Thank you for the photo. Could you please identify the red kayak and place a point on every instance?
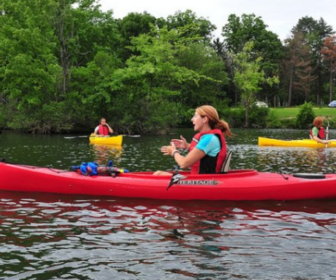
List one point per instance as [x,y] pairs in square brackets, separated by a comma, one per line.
[234,185]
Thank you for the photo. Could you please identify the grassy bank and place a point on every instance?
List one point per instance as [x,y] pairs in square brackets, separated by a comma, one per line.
[287,116]
[285,113]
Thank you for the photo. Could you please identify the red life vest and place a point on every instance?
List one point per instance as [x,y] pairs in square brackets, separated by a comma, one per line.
[103,130]
[196,168]
[321,133]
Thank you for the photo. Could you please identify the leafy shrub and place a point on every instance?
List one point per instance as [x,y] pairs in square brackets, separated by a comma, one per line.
[145,116]
[235,117]
[305,116]
[2,117]
[272,120]
[53,117]
[258,116]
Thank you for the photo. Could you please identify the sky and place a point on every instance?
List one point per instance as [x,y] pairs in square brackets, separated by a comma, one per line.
[279,15]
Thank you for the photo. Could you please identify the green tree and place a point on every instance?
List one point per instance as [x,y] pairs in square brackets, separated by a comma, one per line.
[204,60]
[91,87]
[36,75]
[248,76]
[132,25]
[81,31]
[219,47]
[201,27]
[29,67]
[157,79]
[238,31]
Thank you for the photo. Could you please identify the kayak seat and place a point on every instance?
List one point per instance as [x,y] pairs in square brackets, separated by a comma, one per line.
[226,164]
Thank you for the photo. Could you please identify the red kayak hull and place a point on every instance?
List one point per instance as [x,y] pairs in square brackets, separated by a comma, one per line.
[234,185]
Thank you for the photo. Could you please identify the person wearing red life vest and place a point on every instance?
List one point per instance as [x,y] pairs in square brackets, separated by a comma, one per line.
[103,129]
[317,131]
[207,150]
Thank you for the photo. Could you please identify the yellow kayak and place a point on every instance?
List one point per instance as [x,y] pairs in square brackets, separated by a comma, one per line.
[262,141]
[106,140]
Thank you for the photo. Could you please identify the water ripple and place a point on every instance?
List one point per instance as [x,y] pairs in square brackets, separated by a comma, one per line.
[59,237]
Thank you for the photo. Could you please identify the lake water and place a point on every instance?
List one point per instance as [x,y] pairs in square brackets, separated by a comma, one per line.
[48,236]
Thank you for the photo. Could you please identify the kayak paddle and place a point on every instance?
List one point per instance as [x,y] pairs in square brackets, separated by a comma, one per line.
[72,137]
[327,132]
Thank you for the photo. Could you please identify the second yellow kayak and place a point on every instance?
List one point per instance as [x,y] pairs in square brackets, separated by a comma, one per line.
[106,140]
[262,141]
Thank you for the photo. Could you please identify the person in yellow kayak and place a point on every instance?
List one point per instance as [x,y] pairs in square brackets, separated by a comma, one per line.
[103,129]
[317,131]
[207,150]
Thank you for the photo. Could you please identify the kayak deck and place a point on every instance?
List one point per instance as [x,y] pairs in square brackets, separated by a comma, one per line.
[106,140]
[309,143]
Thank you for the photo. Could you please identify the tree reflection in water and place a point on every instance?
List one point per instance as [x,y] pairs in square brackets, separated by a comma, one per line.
[292,160]
[104,153]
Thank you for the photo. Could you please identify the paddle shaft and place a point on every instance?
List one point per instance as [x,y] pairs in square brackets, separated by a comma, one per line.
[327,136]
[72,137]
[84,136]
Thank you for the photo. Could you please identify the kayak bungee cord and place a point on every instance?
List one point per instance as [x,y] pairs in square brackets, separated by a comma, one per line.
[283,175]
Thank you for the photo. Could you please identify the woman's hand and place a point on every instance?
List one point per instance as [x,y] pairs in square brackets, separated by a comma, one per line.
[180,143]
[168,150]
[109,128]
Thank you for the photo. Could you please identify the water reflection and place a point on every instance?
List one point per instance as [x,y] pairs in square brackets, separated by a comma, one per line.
[59,237]
[45,236]
[292,160]
[104,153]
[143,153]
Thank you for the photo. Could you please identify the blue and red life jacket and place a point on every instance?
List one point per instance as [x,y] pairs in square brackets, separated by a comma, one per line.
[208,164]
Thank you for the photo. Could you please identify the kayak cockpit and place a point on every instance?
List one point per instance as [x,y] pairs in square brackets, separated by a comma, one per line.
[231,173]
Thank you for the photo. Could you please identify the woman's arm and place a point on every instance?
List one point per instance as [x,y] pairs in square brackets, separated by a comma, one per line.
[320,140]
[183,161]
[109,128]
[96,131]
[194,156]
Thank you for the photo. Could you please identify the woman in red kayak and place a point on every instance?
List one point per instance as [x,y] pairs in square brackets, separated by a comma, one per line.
[207,150]
[317,131]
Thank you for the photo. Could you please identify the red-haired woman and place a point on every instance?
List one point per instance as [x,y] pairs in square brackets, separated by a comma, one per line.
[317,131]
[207,150]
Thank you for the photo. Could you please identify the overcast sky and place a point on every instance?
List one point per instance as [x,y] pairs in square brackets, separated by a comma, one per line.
[279,15]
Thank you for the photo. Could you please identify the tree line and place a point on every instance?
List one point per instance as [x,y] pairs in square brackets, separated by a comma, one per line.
[66,63]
